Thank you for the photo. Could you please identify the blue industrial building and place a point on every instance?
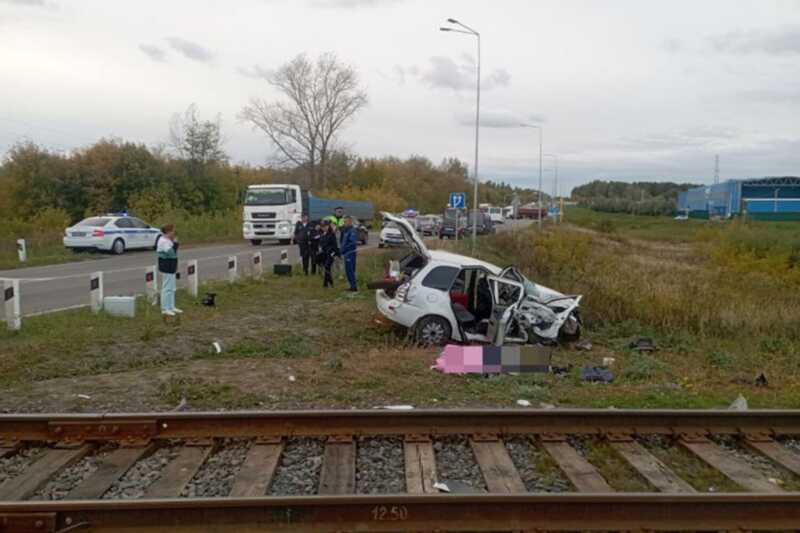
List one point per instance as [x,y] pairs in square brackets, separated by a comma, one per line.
[763,198]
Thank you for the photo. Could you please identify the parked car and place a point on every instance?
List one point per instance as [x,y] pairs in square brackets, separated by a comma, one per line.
[484,220]
[426,225]
[114,233]
[391,235]
[452,224]
[442,297]
[363,231]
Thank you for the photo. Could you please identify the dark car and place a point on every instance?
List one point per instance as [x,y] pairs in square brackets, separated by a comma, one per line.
[448,228]
[485,224]
[362,230]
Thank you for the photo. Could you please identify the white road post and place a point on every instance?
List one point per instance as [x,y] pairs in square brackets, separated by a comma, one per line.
[96,291]
[22,250]
[192,282]
[151,284]
[232,270]
[258,265]
[284,257]
[11,299]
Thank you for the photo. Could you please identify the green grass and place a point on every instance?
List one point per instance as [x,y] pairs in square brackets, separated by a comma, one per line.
[715,332]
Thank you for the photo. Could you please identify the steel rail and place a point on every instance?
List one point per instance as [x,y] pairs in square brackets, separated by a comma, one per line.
[382,422]
[400,512]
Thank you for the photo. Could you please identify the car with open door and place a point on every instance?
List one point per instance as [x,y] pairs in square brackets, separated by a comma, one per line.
[442,297]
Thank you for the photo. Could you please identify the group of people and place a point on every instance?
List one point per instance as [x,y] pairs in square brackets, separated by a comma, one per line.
[321,243]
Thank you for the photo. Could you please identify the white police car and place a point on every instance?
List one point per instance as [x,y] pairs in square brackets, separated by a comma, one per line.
[114,232]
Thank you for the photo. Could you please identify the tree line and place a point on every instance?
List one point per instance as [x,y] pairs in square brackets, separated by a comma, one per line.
[191,174]
[638,198]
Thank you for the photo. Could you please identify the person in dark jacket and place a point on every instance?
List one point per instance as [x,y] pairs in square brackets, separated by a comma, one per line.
[303,231]
[349,247]
[313,247]
[330,250]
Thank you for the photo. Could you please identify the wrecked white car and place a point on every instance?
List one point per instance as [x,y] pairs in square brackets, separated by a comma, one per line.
[441,296]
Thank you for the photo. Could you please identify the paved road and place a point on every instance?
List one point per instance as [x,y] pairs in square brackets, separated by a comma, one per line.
[64,286]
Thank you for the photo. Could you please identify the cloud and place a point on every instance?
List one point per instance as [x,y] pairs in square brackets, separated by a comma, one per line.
[780,41]
[349,4]
[773,96]
[190,50]
[154,52]
[256,72]
[446,73]
[39,4]
[715,137]
[500,118]
[673,46]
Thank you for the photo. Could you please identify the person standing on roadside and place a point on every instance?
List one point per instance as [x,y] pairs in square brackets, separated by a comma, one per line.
[167,251]
[302,236]
[349,248]
[330,250]
[313,246]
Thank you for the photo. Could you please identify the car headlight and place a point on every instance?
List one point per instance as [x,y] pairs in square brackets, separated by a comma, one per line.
[248,226]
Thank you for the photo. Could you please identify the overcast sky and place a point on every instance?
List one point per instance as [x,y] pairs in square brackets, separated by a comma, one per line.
[624,89]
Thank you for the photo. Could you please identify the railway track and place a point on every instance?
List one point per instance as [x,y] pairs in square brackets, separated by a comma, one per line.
[506,470]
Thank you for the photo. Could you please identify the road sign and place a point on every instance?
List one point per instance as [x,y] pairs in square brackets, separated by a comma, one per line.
[458,200]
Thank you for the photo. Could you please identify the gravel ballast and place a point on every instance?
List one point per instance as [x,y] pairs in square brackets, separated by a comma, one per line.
[526,455]
[299,470]
[141,475]
[69,478]
[215,478]
[11,467]
[456,465]
[380,466]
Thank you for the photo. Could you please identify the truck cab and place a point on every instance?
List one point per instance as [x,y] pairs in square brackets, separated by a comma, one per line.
[271,212]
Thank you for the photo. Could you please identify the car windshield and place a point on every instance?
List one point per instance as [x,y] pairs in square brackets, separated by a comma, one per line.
[267,197]
[96,222]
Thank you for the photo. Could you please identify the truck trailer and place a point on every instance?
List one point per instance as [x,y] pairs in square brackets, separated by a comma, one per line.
[271,211]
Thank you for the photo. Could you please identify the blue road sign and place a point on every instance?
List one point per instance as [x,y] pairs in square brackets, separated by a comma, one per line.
[458,200]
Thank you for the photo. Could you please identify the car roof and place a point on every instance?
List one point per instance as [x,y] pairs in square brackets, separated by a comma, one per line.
[441,256]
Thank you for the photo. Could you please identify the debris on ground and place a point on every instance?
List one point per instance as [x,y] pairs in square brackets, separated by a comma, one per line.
[584,345]
[292,379]
[761,380]
[396,407]
[523,403]
[84,397]
[441,487]
[596,374]
[210,299]
[609,361]
[545,405]
[183,405]
[561,371]
[217,347]
[739,404]
[643,344]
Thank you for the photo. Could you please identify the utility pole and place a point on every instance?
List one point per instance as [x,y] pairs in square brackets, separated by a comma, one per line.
[716,169]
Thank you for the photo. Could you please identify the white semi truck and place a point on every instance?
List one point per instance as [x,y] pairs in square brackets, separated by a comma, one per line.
[271,211]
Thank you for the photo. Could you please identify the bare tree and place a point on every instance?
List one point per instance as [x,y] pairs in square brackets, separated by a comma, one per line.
[198,141]
[319,98]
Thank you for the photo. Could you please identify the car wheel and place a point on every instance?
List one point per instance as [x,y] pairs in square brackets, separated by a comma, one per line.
[255,242]
[432,331]
[118,248]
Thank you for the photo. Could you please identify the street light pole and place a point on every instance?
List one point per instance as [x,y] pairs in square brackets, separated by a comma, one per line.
[539,194]
[555,178]
[469,31]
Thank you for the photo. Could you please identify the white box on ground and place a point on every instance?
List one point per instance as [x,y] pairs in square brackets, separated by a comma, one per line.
[120,305]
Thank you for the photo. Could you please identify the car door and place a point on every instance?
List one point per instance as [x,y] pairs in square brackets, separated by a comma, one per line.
[145,234]
[506,297]
[126,232]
